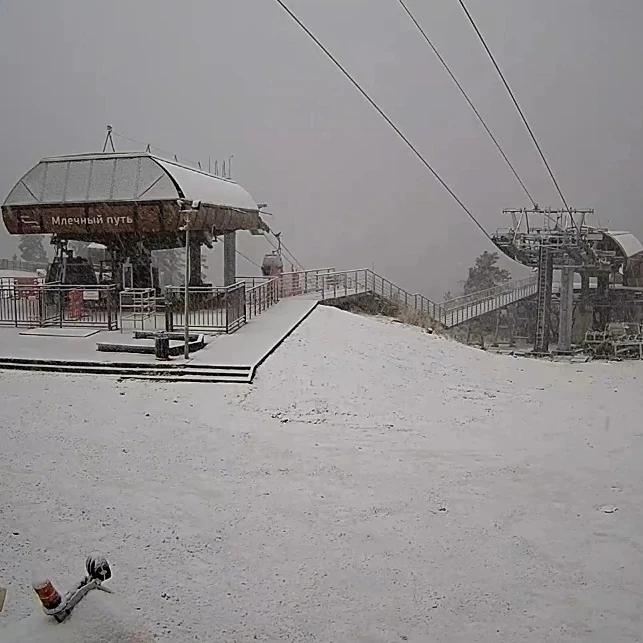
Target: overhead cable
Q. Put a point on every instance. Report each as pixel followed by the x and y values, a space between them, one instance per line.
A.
pixel 385 116
pixel 468 99
pixel 515 102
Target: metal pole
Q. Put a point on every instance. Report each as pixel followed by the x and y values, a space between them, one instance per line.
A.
pixel 186 347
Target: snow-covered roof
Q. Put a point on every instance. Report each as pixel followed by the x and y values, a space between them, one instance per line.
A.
pixel 124 176
pixel 626 241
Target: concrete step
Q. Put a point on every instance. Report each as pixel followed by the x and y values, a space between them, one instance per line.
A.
pixel 163 366
pixel 187 373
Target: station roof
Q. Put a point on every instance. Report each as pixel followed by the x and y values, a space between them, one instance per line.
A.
pixel 123 176
pixel 626 241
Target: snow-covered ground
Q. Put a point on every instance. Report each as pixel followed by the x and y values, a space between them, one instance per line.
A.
pixel 375 484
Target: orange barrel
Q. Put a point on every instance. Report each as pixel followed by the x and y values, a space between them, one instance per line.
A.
pixel 47 593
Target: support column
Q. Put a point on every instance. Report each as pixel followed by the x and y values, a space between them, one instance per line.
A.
pixel 602 300
pixel 229 258
pixel 195 263
pixel 545 276
pixel 583 316
pixel 584 291
pixel 566 316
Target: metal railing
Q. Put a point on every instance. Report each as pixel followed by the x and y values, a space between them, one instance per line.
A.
pixel 137 305
pixel 251 282
pixel 262 296
pixel 331 284
pixel 461 309
pixel 37 304
pixel 304 281
pixel 487 293
pixel 211 308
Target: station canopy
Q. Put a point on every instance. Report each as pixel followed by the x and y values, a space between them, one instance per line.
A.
pixel 626 242
pixel 95 196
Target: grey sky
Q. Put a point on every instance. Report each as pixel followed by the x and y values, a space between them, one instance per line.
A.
pixel 224 77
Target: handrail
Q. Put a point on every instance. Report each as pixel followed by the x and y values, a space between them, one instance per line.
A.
pixel 309 270
pixel 451 312
pixel 488 300
pixel 262 296
pixel 494 291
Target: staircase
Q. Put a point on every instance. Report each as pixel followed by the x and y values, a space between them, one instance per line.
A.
pixel 333 285
pixel 463 309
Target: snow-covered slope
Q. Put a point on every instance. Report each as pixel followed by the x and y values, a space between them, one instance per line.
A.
pixel 99 618
pixel 375 484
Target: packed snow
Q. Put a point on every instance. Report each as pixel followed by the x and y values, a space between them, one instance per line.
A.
pixel 376 483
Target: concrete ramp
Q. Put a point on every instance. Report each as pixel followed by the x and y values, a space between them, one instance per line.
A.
pixel 257 339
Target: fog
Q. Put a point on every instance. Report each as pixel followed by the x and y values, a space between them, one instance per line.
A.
pixel 237 77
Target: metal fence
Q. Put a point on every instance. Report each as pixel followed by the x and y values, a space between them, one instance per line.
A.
pixel 262 296
pixel 461 309
pixel 136 306
pixel 304 281
pixel 210 308
pixel 37 304
pixel 351 282
pixel 331 284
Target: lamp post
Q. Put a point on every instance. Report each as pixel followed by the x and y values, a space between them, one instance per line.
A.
pixel 187 211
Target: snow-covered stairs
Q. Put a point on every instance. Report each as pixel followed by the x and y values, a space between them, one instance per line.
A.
pixel 169 372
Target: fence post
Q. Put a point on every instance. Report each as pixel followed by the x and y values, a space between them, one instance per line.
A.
pixel 226 308
pixel 169 311
pixel 41 305
pixel 61 305
pixel 114 308
pixel 15 305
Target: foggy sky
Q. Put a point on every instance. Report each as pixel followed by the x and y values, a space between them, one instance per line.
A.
pixel 221 77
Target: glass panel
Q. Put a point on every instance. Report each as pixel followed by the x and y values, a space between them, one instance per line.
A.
pixel 34 180
pixel 55 182
pixel 77 181
pixel 154 183
pixel 19 195
pixel 125 179
pixel 100 184
pixel 162 189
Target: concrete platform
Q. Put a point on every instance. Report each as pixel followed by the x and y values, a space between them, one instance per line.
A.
pixel 225 358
